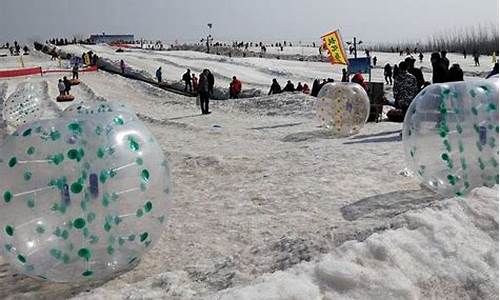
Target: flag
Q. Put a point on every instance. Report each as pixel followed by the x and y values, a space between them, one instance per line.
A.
pixel 332 42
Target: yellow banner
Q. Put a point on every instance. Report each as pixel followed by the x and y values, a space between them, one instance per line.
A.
pixel 335 47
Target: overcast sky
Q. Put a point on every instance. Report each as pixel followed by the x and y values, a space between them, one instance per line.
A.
pixel 295 20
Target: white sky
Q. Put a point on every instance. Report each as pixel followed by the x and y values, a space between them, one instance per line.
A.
pixel 269 20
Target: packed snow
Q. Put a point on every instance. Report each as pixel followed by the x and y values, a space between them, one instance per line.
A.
pixel 257 72
pixel 268 206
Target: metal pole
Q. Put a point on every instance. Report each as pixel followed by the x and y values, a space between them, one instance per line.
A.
pixel 355 49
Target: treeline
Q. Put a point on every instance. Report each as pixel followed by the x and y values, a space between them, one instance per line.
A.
pixel 483 39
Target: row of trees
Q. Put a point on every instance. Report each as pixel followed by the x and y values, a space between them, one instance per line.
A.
pixel 483 39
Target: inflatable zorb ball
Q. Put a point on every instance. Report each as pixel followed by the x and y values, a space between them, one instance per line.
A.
pixel 343 108
pixel 450 136
pixel 84 196
pixel 25 104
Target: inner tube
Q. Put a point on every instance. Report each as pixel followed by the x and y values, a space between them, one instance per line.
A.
pixel 65 98
pixel 396 115
pixel 74 81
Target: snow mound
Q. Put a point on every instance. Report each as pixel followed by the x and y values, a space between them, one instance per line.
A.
pixel 446 252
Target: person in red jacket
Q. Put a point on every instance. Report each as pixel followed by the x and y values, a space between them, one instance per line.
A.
pixel 234 88
pixel 305 89
pixel 358 78
pixel 194 82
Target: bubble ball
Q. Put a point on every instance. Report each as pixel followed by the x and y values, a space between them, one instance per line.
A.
pixel 343 108
pixel 25 104
pixel 83 196
pixel 450 136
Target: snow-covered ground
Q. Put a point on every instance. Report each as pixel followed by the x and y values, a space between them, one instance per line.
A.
pixel 257 72
pixel 269 206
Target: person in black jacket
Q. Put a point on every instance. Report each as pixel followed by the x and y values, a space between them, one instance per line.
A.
pixel 345 76
pixel 315 88
pixel 275 88
pixel 67 84
pixel 187 81
pixel 439 70
pixel 289 87
pixel 455 73
pixel 388 74
pixel 445 59
pixel 203 91
pixel 410 63
pixel 211 83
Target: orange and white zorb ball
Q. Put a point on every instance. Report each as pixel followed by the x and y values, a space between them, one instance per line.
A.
pixel 343 108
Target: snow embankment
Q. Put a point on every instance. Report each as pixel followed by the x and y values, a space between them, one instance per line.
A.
pixel 447 251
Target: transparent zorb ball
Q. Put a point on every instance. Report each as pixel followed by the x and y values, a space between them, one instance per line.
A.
pixel 83 196
pixel 450 136
pixel 343 108
pixel 25 104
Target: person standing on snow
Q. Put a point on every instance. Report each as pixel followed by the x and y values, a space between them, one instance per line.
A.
pixel 75 71
pixel 122 66
pixel 187 81
pixel 194 81
pixel 405 88
pixel 345 76
pixel 234 88
pixel 421 57
pixel 315 88
pixel 476 58
pixel 388 74
pixel 158 75
pixel 445 59
pixel 203 91
pixel 374 61
pixel 61 87
pixel 67 85
pixel 211 83
pixel 410 64
pixel 439 70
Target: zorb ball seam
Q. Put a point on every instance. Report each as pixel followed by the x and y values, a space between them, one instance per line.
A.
pixel 83 196
pixel 450 136
pixel 343 108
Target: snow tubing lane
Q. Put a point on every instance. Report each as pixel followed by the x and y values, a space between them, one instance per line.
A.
pixel 162 86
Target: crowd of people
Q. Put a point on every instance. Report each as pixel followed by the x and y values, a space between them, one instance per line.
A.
pixel 15 49
pixel 407 80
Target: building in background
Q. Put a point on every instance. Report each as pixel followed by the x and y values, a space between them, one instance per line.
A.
pixel 111 38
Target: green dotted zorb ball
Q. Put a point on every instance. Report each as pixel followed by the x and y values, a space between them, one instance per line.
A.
pixel 82 196
pixel 450 136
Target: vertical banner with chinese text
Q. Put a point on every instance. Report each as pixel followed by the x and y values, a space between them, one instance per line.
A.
pixel 332 42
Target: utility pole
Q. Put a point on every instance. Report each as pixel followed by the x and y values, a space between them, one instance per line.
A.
pixel 355 44
pixel 209 37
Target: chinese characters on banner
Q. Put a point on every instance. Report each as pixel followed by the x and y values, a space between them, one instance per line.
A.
pixel 335 47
